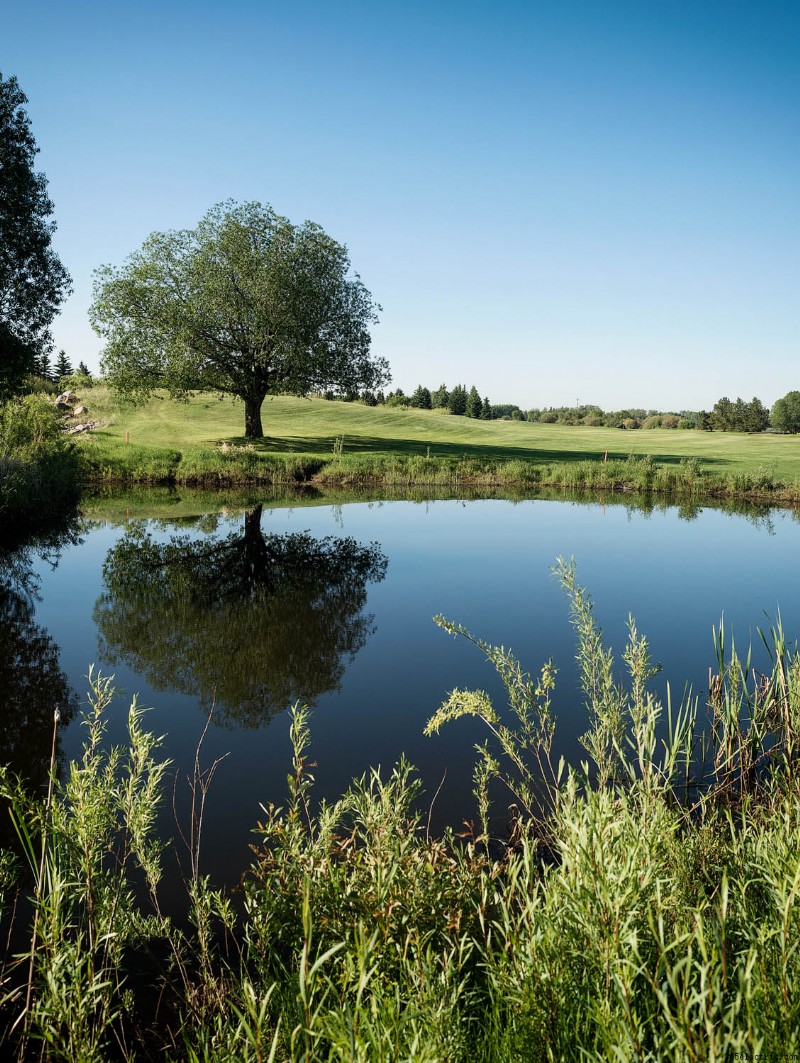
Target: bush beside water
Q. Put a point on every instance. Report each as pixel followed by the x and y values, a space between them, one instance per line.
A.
pixel 39 469
pixel 641 906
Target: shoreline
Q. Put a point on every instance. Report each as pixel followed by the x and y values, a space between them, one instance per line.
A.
pixel 635 476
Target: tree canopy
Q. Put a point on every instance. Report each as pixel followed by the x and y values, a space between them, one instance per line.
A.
pixel 252 621
pixel 739 416
pixel 247 304
pixel 785 415
pixel 33 282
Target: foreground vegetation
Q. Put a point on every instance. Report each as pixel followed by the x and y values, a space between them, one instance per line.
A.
pixel 345 444
pixel 642 906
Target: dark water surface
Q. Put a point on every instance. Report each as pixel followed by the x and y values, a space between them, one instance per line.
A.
pixel 247 610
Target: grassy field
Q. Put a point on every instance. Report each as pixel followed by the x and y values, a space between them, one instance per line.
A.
pixel 307 439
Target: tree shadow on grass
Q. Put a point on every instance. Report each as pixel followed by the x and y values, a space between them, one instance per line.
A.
pixel 381 445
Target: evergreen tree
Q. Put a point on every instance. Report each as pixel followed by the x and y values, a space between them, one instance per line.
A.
pixel 474 404
pixel 722 415
pixel 457 403
pixel 440 397
pixel 739 416
pixel 421 399
pixel 756 417
pixel 740 411
pixel 83 370
pixel 63 366
pixel 33 282
pixel 486 413
pixel 41 365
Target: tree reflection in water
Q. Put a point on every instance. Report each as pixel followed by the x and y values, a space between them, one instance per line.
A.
pixel 31 677
pixel 247 623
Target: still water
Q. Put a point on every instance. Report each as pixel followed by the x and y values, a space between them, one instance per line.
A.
pixel 237 614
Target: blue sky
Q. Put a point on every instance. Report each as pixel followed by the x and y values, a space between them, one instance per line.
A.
pixel 554 201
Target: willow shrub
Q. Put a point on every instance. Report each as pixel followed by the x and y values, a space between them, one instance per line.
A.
pixel 38 465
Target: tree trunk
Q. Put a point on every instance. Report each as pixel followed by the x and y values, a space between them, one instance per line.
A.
pixel 257 566
pixel 252 418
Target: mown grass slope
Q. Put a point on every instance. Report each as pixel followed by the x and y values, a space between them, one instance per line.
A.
pixel 314 427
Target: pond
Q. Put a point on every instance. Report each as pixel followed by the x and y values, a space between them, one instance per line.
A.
pixel 236 614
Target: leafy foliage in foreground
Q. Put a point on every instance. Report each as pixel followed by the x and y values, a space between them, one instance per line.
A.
pixel 38 466
pixel 644 905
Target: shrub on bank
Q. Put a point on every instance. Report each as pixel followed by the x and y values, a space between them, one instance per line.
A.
pixel 39 474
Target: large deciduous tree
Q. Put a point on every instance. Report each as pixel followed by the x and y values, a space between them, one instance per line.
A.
pixel 247 304
pixel 786 413
pixel 33 282
pixel 739 416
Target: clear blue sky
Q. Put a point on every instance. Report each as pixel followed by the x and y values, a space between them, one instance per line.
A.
pixel 553 201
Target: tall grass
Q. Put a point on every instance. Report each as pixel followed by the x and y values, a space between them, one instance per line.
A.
pixel 223 466
pixel 226 466
pixel 686 480
pixel 642 905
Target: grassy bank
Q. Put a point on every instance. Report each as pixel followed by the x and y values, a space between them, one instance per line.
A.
pixel 344 444
pixel 644 906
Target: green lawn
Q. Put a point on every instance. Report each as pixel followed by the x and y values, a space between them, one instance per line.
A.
pixel 312 427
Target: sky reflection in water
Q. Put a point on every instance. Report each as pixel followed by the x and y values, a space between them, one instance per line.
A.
pixel 382 666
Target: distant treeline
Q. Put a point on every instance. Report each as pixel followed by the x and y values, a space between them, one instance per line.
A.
pixel 457 400
pixel 54 371
pixel 726 416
